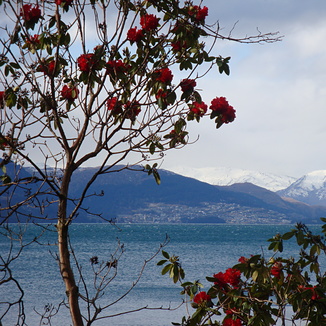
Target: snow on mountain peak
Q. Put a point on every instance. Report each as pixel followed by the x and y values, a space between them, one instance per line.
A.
pixel 223 176
pixel 311 188
pixel 313 180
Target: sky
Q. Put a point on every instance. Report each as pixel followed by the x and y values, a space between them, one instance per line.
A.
pixel 278 91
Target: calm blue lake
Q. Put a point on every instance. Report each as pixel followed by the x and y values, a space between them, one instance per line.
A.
pixel 203 250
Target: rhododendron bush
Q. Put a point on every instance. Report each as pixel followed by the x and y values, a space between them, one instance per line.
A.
pixel 261 290
pixel 101 83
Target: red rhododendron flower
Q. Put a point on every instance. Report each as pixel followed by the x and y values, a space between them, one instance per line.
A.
pixel 30 14
pixel 202 13
pixel 111 102
pixel 69 93
pixel 2 96
pixel 33 39
pixel 314 294
pixel 229 115
pixel 116 66
pixel 2 99
pixel 231 322
pixel 149 22
pixel 164 75
pixel 188 85
pixel 48 68
pixel 221 107
pixel 198 108
pixel 220 280
pixel 135 35
pixel 179 46
pixel 232 276
pixel 276 269
pixel 198 13
pixel 87 62
pixel 201 298
pixel 243 260
pixel 114 105
pixel 51 68
pixel 231 311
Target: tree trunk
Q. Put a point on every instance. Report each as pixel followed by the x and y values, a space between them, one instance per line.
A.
pixel 67 273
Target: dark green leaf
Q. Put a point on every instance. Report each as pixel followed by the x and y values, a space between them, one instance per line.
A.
pixel 152 148
pixel 288 235
pixel 157 177
pixel 166 269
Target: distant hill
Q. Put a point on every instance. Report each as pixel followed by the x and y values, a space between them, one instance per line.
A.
pixel 134 197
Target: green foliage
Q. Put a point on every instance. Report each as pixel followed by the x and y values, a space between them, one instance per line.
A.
pixel 259 292
pixel 173 267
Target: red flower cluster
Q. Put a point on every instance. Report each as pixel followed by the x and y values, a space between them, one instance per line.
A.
pixel 111 103
pixel 33 39
pixel 314 294
pixel 69 93
pixel 231 277
pixel 164 75
pixel 149 22
pixel 201 298
pixel 114 105
pixel 48 68
pixel 188 85
pixel 2 99
pixel 178 46
pixel 276 269
pixel 135 35
pixel 30 14
pixel 231 322
pixel 87 62
pixel 243 260
pixel 198 13
pixel 198 108
pixel 116 66
pixel 221 107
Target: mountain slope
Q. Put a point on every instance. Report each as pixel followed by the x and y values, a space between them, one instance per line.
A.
pixel 135 197
pixel 310 189
pixel 130 196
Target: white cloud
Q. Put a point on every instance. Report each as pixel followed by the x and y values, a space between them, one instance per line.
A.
pixel 278 90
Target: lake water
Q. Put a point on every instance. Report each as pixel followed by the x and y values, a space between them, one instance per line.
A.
pixel 204 249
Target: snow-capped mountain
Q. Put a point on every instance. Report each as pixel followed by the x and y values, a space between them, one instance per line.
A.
pixel 310 189
pixel 223 176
